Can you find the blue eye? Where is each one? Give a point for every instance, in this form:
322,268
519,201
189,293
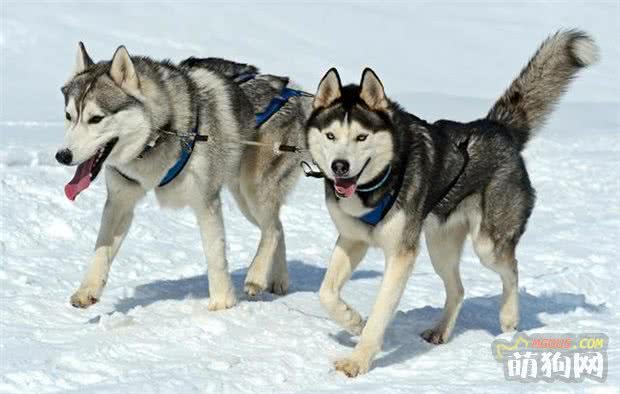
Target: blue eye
330,136
361,137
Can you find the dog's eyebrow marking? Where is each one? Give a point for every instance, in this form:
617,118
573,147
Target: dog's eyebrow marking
80,104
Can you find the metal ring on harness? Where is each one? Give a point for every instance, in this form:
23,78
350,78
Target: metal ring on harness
309,172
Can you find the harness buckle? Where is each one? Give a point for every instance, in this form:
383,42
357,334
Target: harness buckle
309,171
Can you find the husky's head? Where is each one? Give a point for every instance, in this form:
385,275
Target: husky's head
104,117
350,131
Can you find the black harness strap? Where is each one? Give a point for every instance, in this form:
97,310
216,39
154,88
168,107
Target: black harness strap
462,147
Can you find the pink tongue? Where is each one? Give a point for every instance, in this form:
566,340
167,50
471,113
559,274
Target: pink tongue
81,180
345,187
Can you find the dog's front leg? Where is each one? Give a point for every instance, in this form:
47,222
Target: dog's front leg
398,269
211,222
345,258
115,222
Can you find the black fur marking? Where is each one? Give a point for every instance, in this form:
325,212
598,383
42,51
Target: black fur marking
222,66
127,177
350,105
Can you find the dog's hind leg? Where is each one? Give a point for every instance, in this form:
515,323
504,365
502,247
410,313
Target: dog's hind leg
496,229
235,189
115,222
345,258
266,178
279,275
500,257
445,244
265,273
263,198
211,222
261,271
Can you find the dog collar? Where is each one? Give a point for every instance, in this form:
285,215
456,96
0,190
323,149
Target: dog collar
387,201
370,187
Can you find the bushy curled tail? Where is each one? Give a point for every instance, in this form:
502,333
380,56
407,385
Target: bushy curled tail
531,97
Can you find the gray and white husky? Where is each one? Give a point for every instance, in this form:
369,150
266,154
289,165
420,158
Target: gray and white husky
129,113
391,176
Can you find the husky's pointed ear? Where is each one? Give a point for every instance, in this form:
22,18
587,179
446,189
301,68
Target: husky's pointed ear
371,91
328,90
82,60
123,72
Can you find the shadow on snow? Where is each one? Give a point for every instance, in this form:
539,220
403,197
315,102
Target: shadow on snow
303,277
477,313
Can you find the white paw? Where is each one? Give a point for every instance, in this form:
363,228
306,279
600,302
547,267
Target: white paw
256,282
85,297
218,303
278,287
349,319
509,322
355,324
253,288
351,367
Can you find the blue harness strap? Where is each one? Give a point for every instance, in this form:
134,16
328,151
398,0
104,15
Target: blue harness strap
187,147
188,144
373,217
275,105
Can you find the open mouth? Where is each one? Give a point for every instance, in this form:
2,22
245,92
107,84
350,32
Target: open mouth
86,172
345,187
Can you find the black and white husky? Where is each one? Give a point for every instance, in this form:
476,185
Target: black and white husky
177,130
390,176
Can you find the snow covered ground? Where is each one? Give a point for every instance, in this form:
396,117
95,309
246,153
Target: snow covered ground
151,332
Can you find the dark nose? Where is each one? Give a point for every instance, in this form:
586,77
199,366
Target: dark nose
64,156
340,167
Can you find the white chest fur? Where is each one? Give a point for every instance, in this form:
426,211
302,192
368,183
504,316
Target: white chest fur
385,234
353,206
